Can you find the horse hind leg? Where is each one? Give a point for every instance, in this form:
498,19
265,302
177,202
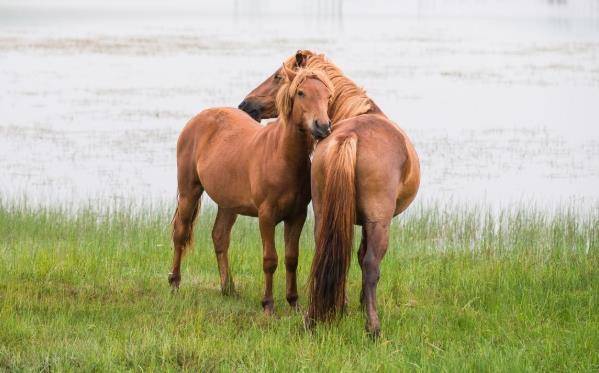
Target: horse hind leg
361,254
377,240
221,237
188,205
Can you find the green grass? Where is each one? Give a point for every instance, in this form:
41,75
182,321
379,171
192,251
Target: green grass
461,289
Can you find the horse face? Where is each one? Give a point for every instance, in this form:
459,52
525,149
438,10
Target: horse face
310,107
260,103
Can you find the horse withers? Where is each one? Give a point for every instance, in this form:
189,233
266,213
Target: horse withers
253,170
366,172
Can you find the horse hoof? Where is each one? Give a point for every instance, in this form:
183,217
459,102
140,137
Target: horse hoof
269,307
174,280
292,300
228,290
373,331
268,311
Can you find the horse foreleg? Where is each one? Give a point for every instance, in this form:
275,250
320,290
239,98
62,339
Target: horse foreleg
269,259
377,240
221,237
187,209
293,230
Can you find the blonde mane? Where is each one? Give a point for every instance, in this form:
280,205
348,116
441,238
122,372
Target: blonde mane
349,100
284,99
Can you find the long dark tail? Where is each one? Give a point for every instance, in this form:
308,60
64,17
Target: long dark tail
334,234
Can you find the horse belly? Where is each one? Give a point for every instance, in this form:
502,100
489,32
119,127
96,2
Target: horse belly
235,202
228,186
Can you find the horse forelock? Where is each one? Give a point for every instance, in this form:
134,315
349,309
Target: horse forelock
284,99
349,100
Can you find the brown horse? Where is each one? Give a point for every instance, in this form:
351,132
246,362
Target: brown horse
366,172
348,101
252,170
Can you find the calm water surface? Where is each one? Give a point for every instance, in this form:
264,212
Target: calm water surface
501,98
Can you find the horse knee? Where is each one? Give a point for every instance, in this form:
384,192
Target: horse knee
372,271
269,264
291,263
219,239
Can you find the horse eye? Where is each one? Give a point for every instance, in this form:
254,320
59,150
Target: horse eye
277,77
300,93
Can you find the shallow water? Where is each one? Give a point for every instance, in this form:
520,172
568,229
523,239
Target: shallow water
501,98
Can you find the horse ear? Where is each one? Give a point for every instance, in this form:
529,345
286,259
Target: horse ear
289,73
300,59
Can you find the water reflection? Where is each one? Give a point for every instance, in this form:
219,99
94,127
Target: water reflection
498,96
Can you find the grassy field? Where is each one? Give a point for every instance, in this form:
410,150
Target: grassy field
461,289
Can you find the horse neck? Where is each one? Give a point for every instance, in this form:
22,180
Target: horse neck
293,144
350,100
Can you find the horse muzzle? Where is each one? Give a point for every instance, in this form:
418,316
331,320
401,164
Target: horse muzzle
252,109
320,131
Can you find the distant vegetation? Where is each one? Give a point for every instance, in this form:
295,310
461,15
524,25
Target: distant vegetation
462,288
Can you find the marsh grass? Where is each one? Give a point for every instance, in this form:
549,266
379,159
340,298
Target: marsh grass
462,288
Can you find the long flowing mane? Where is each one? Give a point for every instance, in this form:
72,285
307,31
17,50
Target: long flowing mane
349,100
287,91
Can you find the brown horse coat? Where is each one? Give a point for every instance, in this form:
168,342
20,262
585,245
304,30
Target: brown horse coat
378,142
252,170
259,163
366,172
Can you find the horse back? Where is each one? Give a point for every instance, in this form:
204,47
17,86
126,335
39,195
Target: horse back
387,166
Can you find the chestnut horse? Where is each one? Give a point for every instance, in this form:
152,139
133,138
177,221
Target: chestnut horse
252,170
365,173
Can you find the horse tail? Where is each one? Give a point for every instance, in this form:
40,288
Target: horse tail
183,221
334,233
189,194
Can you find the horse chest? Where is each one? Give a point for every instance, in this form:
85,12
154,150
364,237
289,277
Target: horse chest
284,190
